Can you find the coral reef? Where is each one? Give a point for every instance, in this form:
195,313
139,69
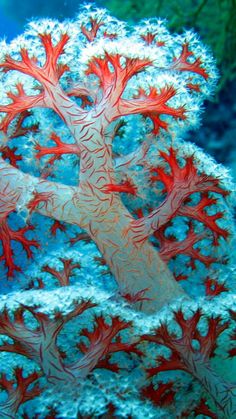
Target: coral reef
116,233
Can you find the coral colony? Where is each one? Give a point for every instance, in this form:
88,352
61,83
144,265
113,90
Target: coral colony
116,233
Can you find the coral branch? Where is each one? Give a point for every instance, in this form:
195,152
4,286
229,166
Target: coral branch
48,75
7,235
152,105
10,154
63,276
50,72
17,184
58,150
171,247
181,63
40,343
18,392
91,33
185,356
163,395
21,102
101,345
179,184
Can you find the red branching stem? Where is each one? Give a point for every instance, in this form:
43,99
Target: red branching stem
40,344
113,78
84,237
203,409
58,150
91,33
48,75
181,63
10,154
7,235
137,297
101,344
63,276
163,395
214,288
21,102
18,391
51,71
125,187
171,247
198,212
39,198
179,184
57,225
19,129
149,38
152,105
185,356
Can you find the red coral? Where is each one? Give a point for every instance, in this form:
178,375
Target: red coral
186,176
18,391
163,395
57,225
91,33
199,212
40,343
232,351
84,237
103,334
101,67
125,187
21,102
201,409
213,287
189,333
40,198
161,108
19,129
192,358
10,154
58,150
48,75
180,277
180,182
6,236
102,262
207,342
137,297
170,247
182,64
63,276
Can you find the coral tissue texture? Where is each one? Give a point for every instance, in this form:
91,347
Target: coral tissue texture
116,234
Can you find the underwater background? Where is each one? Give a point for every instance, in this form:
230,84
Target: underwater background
62,252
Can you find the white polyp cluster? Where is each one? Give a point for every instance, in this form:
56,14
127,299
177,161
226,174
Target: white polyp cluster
154,26
121,47
109,24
